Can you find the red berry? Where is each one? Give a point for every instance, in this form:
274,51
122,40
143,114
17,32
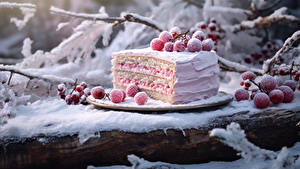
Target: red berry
261,100
82,99
83,84
213,20
141,98
124,95
87,92
246,88
242,83
288,94
165,36
79,88
255,56
212,27
201,25
296,78
282,72
241,94
294,72
276,96
199,35
179,46
61,87
207,45
247,84
132,90
157,44
98,92
298,74
75,97
169,46
268,83
248,76
68,99
248,60
261,61
290,83
63,96
194,45
116,96
175,31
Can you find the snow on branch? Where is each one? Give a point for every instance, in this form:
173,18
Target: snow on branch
16,5
286,46
235,137
46,78
140,163
236,67
278,16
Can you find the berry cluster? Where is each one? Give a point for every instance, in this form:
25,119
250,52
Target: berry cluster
268,90
118,95
77,95
175,40
267,51
211,28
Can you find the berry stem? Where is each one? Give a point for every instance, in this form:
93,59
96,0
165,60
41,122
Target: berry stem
252,81
74,88
182,34
9,79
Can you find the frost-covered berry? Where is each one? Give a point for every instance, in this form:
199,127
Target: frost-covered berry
157,44
213,20
288,94
194,45
68,99
79,88
241,94
116,96
87,92
82,99
75,97
261,100
212,27
248,76
248,60
165,36
247,84
276,96
175,31
98,92
207,44
268,83
61,87
290,83
201,25
199,35
124,95
169,46
179,46
132,90
83,84
141,98
62,96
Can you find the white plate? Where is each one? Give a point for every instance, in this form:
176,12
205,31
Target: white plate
154,105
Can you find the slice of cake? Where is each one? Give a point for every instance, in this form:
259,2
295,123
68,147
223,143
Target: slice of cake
173,77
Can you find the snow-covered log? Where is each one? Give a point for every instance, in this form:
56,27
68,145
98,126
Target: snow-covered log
270,130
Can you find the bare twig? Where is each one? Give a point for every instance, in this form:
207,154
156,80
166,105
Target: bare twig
277,16
268,64
9,79
46,78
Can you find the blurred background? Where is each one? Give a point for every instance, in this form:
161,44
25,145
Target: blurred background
42,29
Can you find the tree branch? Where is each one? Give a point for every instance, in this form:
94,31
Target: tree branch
46,78
129,17
277,16
268,64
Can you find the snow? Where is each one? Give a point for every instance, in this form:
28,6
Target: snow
54,117
28,14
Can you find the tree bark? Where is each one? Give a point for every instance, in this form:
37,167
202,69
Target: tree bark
271,130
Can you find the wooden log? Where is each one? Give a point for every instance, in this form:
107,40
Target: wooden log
271,129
